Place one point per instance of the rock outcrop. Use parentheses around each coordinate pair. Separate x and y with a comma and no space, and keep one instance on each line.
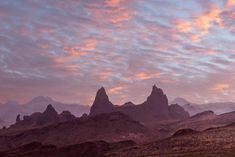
(101,103)
(48,117)
(178,112)
(154,108)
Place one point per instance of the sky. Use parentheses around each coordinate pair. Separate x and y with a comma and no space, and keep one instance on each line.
(69,49)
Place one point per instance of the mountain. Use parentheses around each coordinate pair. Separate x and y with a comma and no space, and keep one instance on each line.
(114,126)
(37,119)
(101,103)
(37,104)
(176,111)
(180,101)
(153,109)
(193,108)
(219,107)
(205,120)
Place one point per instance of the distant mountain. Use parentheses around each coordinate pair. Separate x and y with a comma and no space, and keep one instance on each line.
(205,120)
(37,104)
(219,107)
(193,108)
(180,101)
(113,126)
(153,109)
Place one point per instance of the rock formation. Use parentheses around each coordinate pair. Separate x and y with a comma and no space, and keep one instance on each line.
(48,117)
(154,108)
(178,112)
(101,103)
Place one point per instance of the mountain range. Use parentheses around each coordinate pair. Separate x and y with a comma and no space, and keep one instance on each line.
(154,108)
(194,108)
(37,104)
(152,128)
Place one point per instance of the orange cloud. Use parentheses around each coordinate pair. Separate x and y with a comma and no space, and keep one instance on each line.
(185,26)
(74,52)
(143,76)
(116,15)
(122,16)
(43,46)
(113,3)
(230,3)
(116,90)
(66,62)
(78,51)
(105,75)
(61,63)
(203,23)
(89,45)
(220,87)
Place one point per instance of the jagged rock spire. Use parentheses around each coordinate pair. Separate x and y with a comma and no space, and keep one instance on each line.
(158,101)
(101,96)
(50,110)
(101,103)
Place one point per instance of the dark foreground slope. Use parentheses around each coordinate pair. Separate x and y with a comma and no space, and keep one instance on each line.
(217,142)
(114,126)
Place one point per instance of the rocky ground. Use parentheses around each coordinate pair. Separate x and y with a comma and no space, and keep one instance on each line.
(219,142)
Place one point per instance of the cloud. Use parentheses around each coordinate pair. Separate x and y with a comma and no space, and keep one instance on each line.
(220,87)
(202,24)
(68,50)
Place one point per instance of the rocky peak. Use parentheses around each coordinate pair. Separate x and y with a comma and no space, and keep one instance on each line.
(101,103)
(178,112)
(101,96)
(157,98)
(50,110)
(66,116)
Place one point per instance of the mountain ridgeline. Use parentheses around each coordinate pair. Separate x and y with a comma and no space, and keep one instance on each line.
(152,128)
(154,108)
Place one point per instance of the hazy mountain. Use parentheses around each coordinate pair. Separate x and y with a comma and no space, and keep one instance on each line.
(38,119)
(205,120)
(219,107)
(180,101)
(193,108)
(174,132)
(37,104)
